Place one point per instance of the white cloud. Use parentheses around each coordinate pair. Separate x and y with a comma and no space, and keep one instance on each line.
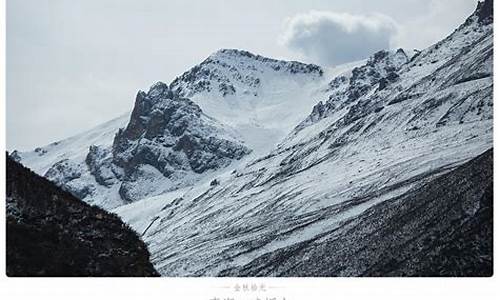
(331,38)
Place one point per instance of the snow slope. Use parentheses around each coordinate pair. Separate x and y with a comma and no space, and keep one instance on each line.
(262,98)
(73,148)
(68,157)
(393,126)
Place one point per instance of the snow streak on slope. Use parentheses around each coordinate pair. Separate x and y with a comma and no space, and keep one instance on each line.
(390,127)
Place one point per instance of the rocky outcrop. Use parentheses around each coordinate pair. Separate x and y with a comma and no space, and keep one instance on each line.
(484,11)
(52,233)
(380,70)
(172,135)
(99,161)
(63,171)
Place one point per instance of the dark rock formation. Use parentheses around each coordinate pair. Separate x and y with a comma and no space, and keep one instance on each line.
(171,134)
(485,11)
(52,233)
(99,161)
(63,171)
(164,129)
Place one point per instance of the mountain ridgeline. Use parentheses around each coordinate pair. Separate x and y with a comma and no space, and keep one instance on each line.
(251,166)
(168,141)
(220,73)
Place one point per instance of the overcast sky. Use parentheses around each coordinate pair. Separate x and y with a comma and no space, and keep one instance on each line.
(76,63)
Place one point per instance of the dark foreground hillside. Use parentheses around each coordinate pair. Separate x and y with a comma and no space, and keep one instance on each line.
(52,233)
(444,228)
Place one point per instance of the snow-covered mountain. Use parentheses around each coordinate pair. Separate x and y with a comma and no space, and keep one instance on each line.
(244,158)
(386,130)
(69,156)
(169,141)
(262,98)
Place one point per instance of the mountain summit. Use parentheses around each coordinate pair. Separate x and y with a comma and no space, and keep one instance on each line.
(236,72)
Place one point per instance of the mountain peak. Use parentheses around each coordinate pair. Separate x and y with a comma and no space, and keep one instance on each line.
(482,15)
(228,53)
(231,72)
(234,52)
(159,85)
(484,11)
(168,137)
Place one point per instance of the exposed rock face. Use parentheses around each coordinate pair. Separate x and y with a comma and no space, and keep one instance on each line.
(172,135)
(52,233)
(99,162)
(444,228)
(63,172)
(14,155)
(170,132)
(379,71)
(484,11)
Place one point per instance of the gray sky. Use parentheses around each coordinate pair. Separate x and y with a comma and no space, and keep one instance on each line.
(73,64)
